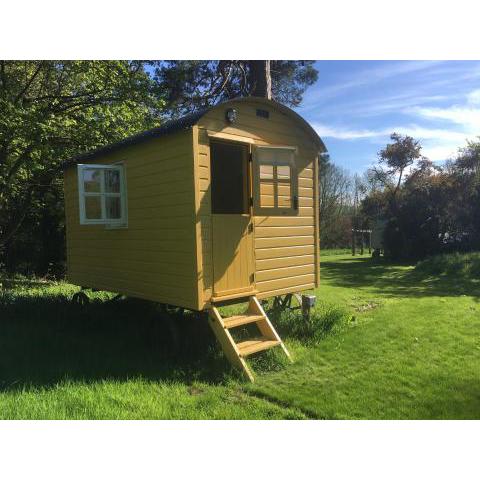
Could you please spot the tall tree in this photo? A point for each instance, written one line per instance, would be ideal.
(52, 110)
(395, 159)
(261, 78)
(195, 84)
(434, 209)
(335, 201)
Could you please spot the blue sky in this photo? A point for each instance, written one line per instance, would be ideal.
(355, 105)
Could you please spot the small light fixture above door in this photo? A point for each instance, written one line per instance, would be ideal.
(231, 115)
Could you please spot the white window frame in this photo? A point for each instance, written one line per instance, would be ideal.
(109, 222)
(276, 211)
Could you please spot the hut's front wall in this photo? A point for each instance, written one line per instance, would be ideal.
(286, 247)
(155, 256)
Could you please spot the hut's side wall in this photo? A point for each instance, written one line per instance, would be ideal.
(155, 256)
(286, 247)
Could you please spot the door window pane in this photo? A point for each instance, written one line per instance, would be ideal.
(267, 198)
(266, 172)
(283, 172)
(229, 178)
(275, 177)
(284, 196)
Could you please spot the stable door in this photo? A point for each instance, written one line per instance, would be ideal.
(232, 228)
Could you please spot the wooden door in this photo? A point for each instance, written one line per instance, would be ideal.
(232, 255)
(232, 230)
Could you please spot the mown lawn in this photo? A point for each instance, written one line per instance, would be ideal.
(391, 342)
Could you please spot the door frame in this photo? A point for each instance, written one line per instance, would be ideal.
(248, 148)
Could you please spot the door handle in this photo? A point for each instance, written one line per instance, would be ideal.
(250, 227)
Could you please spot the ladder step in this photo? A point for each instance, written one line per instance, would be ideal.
(237, 320)
(256, 345)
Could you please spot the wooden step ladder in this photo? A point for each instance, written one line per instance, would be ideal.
(237, 352)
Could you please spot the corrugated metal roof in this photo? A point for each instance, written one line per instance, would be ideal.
(170, 126)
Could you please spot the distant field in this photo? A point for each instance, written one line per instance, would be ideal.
(386, 341)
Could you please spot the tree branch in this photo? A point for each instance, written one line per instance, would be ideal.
(29, 82)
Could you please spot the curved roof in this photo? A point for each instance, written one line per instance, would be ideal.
(285, 110)
(187, 122)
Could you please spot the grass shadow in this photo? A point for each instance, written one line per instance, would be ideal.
(12, 283)
(45, 339)
(394, 279)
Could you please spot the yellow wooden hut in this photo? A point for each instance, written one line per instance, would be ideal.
(218, 206)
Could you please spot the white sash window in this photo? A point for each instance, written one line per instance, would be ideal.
(102, 195)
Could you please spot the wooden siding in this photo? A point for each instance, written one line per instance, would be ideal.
(286, 247)
(155, 256)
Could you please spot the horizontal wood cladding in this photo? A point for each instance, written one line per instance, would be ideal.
(274, 221)
(138, 272)
(283, 291)
(280, 262)
(163, 259)
(280, 252)
(285, 282)
(134, 287)
(272, 242)
(288, 231)
(154, 256)
(285, 272)
(284, 245)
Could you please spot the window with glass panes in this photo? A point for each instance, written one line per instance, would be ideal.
(102, 194)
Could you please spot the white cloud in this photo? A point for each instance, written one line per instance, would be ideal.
(437, 144)
(467, 114)
(368, 76)
(423, 133)
(474, 97)
(442, 130)
(468, 117)
(415, 131)
(343, 134)
(440, 152)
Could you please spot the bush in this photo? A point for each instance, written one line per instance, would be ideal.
(466, 265)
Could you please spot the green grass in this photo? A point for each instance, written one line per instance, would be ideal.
(465, 266)
(337, 251)
(385, 341)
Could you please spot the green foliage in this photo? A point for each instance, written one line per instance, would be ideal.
(464, 265)
(434, 210)
(192, 84)
(335, 203)
(397, 157)
(50, 111)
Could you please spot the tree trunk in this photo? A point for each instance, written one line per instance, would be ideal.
(260, 79)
